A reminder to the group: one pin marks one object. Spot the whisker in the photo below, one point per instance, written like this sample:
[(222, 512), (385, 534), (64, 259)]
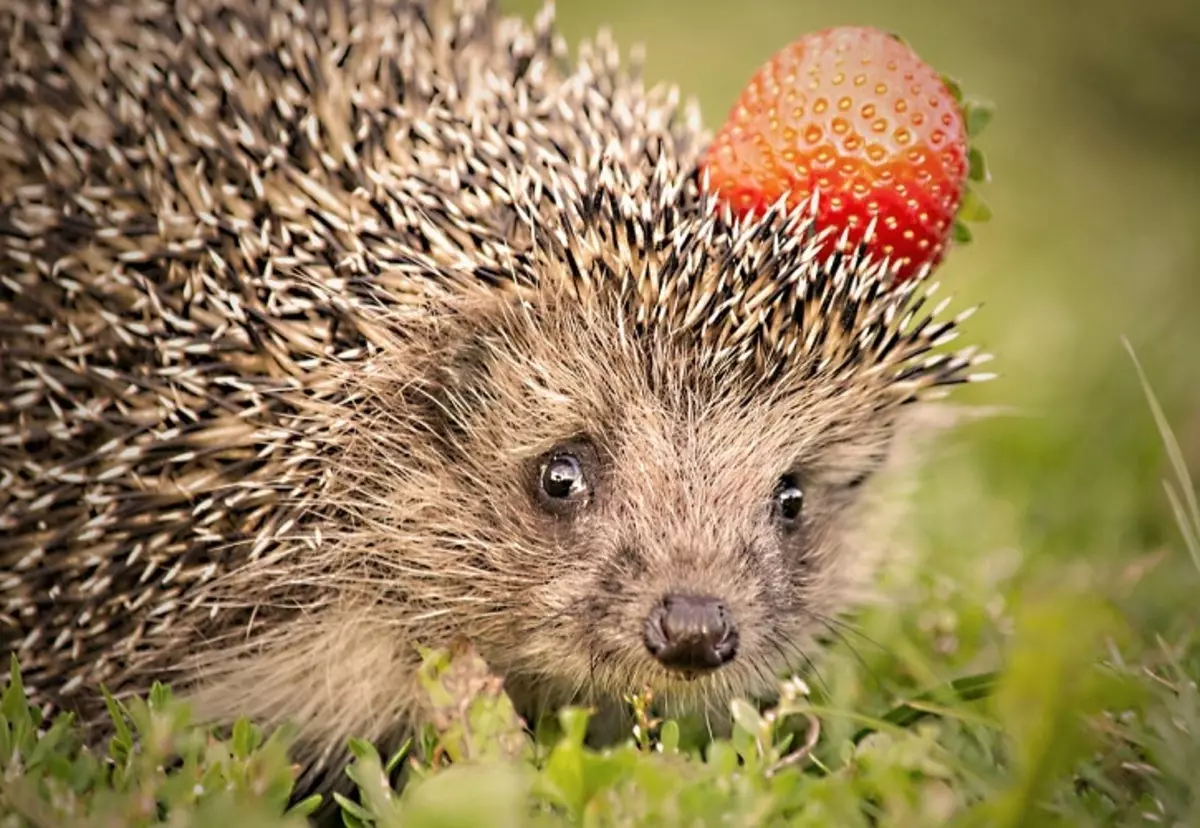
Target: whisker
[(841, 637), (830, 621), (763, 672), (812, 667)]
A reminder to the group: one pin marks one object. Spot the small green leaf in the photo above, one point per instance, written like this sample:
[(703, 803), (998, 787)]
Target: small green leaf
[(305, 807), (962, 234), (562, 777), (363, 749), (668, 736), (52, 741), (722, 758), (13, 704), (746, 717), (353, 814), (954, 87), (159, 696), (122, 740), (574, 723), (978, 114), (244, 738), (979, 169), (397, 757), (973, 207)]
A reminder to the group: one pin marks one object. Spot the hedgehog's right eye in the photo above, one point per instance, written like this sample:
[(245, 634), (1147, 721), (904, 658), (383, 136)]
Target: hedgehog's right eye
[(565, 478), (563, 483), (562, 477)]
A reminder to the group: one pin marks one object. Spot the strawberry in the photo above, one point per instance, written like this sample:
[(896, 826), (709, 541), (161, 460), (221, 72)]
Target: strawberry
[(855, 114)]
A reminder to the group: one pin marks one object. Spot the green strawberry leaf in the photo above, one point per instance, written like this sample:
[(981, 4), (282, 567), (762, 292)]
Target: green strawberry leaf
[(962, 234), (974, 208), (954, 87), (979, 170), (978, 115)]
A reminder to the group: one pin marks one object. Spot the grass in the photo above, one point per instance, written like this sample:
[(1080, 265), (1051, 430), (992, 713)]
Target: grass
[(1060, 545)]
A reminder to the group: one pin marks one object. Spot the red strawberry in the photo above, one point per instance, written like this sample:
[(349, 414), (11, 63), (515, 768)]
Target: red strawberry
[(854, 113)]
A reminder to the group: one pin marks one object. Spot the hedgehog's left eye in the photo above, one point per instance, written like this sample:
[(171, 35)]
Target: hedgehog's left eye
[(789, 501)]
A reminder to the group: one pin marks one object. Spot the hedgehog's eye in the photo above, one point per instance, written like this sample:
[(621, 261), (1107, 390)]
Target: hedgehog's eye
[(565, 477), (562, 483), (789, 501), (562, 477)]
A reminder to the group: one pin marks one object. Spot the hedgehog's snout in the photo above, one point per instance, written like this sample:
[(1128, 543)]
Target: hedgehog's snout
[(691, 633)]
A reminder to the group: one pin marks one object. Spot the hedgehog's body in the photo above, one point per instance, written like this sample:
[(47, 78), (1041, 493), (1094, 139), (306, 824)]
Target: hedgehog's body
[(309, 307)]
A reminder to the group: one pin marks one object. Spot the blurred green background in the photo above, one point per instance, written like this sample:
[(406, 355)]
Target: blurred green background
[(1095, 157)]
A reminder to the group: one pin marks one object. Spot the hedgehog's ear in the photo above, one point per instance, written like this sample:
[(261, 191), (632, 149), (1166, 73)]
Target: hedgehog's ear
[(431, 371), (455, 380), (463, 365)]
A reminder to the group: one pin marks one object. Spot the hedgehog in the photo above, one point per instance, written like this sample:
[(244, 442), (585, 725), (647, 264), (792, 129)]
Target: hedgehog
[(335, 328)]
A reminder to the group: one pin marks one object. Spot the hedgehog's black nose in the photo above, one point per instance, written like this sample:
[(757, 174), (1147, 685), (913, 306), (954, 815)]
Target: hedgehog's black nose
[(691, 633)]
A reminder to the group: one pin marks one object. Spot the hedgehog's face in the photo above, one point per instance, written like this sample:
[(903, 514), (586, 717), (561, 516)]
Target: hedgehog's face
[(624, 516)]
